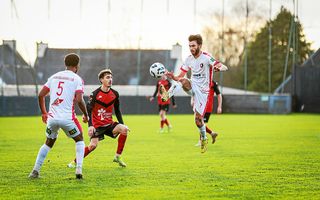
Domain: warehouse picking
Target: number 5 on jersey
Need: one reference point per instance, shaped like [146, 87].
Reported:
[60, 88]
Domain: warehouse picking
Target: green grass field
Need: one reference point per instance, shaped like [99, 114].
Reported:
[255, 157]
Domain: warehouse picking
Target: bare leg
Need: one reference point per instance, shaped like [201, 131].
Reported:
[42, 154]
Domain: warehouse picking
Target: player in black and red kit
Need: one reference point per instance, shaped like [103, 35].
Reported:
[163, 106]
[101, 103]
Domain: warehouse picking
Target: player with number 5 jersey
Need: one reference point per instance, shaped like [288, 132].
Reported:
[65, 88]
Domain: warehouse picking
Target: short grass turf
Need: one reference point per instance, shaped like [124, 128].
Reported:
[255, 157]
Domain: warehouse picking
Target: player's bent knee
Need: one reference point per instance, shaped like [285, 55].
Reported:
[124, 129]
[120, 128]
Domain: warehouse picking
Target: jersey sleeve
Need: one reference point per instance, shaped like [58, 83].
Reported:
[117, 108]
[80, 85]
[217, 65]
[47, 84]
[212, 61]
[185, 66]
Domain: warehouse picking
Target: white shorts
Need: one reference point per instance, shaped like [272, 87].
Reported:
[70, 127]
[200, 100]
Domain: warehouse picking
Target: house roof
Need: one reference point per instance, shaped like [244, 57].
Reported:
[129, 66]
[13, 68]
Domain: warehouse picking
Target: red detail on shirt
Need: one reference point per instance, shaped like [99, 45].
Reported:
[46, 88]
[80, 91]
[214, 90]
[57, 102]
[206, 53]
[217, 62]
[183, 70]
[209, 106]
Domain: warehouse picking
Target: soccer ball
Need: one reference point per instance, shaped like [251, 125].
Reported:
[157, 70]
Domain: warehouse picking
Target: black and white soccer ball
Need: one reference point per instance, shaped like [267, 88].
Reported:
[157, 70]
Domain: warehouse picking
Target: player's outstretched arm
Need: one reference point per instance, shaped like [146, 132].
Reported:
[173, 77]
[82, 106]
[219, 67]
[41, 99]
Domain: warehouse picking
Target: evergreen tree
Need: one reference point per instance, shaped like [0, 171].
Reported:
[257, 52]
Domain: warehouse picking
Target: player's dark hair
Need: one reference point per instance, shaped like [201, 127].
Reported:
[71, 60]
[103, 73]
[196, 38]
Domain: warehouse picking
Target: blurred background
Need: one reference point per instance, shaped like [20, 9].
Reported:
[270, 46]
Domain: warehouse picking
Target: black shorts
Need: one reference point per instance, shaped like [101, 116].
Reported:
[105, 130]
[164, 107]
[206, 117]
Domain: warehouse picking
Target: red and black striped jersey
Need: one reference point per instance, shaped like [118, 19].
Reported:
[100, 107]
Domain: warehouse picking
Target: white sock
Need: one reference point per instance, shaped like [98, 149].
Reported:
[79, 153]
[42, 154]
[175, 87]
[202, 130]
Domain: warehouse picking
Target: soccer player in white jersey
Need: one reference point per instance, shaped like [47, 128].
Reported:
[202, 66]
[65, 89]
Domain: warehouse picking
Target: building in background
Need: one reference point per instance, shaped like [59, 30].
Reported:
[129, 66]
[13, 68]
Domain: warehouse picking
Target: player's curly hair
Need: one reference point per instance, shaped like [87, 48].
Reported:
[196, 37]
[71, 60]
[103, 72]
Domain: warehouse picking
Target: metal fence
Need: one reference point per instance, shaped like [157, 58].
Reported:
[254, 104]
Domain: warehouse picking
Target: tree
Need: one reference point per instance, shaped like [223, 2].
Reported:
[233, 37]
[258, 51]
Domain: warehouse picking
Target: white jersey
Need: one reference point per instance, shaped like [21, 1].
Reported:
[63, 87]
[201, 69]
